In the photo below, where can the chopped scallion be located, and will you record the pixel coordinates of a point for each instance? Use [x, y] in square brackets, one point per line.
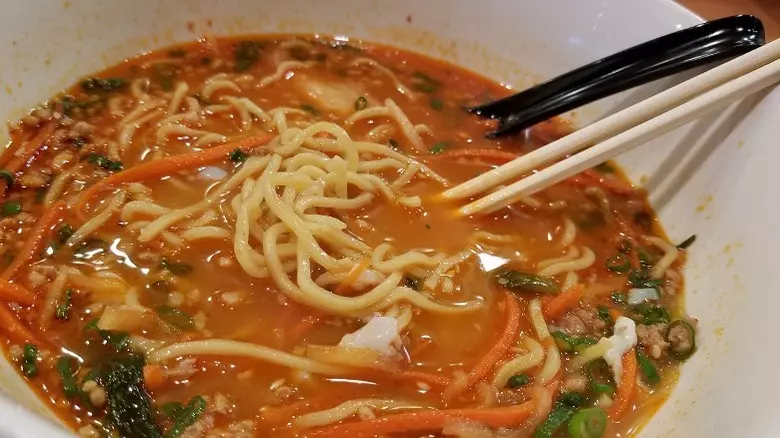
[238, 156]
[63, 307]
[175, 317]
[29, 360]
[588, 423]
[8, 177]
[11, 208]
[517, 381]
[518, 280]
[438, 148]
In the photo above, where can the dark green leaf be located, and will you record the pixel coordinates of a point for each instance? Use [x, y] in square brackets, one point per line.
[437, 104]
[361, 103]
[412, 282]
[310, 109]
[175, 268]
[687, 242]
[11, 208]
[246, 54]
[29, 360]
[92, 85]
[648, 369]
[517, 280]
[187, 416]
[63, 307]
[619, 297]
[116, 339]
[64, 232]
[603, 313]
[649, 314]
[172, 409]
[438, 148]
[165, 75]
[103, 162]
[559, 415]
[129, 406]
[238, 156]
[517, 381]
[8, 177]
[571, 344]
[425, 83]
[175, 317]
[68, 376]
[618, 263]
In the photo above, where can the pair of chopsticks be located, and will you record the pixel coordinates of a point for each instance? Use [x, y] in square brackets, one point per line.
[622, 131]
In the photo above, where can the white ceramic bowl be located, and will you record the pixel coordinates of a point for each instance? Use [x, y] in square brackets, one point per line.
[713, 177]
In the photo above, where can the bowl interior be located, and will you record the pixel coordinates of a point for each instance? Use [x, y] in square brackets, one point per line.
[708, 178]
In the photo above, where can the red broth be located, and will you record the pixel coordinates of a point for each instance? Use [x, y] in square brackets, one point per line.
[102, 303]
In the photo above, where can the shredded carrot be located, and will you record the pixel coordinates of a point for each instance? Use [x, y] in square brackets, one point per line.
[564, 301]
[154, 377]
[625, 392]
[35, 242]
[492, 156]
[353, 275]
[502, 345]
[166, 166]
[13, 292]
[13, 161]
[15, 329]
[506, 416]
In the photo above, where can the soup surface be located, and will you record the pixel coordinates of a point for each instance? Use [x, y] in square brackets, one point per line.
[243, 237]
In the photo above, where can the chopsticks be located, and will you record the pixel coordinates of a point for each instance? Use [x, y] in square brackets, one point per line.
[623, 130]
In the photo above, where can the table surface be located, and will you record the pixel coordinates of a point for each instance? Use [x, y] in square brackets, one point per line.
[767, 10]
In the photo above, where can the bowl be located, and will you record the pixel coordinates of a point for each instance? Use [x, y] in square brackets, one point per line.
[712, 177]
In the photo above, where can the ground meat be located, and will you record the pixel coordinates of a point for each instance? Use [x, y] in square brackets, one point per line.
[583, 322]
[41, 274]
[35, 178]
[572, 324]
[652, 337]
[11, 228]
[239, 429]
[575, 383]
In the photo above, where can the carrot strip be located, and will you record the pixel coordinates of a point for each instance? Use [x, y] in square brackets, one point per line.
[506, 416]
[499, 349]
[154, 377]
[625, 392]
[166, 166]
[353, 275]
[590, 177]
[564, 301]
[34, 243]
[29, 149]
[493, 156]
[13, 292]
[15, 329]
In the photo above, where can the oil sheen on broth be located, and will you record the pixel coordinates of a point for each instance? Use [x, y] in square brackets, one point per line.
[242, 237]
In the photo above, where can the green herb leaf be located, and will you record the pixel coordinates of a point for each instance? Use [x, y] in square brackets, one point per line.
[175, 268]
[29, 360]
[129, 406]
[361, 103]
[437, 104]
[517, 381]
[619, 297]
[103, 162]
[68, 375]
[649, 314]
[187, 416]
[102, 85]
[63, 307]
[687, 242]
[310, 109]
[8, 177]
[238, 156]
[175, 317]
[425, 83]
[648, 368]
[246, 54]
[172, 409]
[517, 280]
[165, 74]
[116, 339]
[603, 313]
[11, 208]
[569, 343]
[618, 263]
[438, 148]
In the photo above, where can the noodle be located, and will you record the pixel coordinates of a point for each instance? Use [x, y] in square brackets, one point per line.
[348, 409]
